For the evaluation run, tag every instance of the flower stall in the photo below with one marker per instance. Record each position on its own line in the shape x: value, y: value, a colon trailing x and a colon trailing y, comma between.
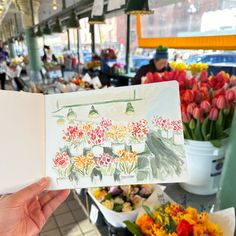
x: 207, y: 106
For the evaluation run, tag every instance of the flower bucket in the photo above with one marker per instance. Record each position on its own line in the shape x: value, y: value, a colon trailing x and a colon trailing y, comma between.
x: 178, y: 139
x: 167, y: 134
x: 97, y: 150
x: 138, y: 147
x: 76, y: 151
x: 204, y: 163
x: 117, y: 147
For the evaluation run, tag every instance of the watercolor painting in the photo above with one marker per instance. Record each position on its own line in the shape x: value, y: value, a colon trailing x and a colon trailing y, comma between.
x: 119, y: 138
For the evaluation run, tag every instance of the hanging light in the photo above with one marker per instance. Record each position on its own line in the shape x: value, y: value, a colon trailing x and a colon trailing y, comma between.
x: 54, y: 5
x: 47, y: 30
x: 138, y: 7
x: 73, y: 22
x: 129, y: 109
x: 71, y: 115
x: 57, y: 28
x: 93, y: 113
x: 39, y: 32
x: 96, y: 20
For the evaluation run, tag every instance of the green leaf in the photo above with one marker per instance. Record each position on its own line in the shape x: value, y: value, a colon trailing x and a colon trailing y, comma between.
x: 216, y: 143
x: 198, y: 132
x: 227, y: 132
x: 148, y: 211
x: 133, y: 228
x: 108, y: 197
x: 187, y: 133
x: 172, y: 225
x: 219, y: 124
x: 117, y: 207
x: 206, y: 128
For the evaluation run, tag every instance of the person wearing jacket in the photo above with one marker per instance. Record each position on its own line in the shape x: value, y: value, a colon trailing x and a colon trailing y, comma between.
x: 158, y: 64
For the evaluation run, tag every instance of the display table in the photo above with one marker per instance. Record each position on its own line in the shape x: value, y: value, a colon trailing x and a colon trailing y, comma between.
x: 229, y: 68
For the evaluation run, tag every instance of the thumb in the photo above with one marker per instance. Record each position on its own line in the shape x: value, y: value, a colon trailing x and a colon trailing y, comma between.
x: 31, y: 191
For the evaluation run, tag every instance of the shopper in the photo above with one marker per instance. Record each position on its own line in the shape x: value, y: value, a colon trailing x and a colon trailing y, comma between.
x: 48, y: 56
x: 158, y: 64
x: 26, y: 212
x: 4, y: 58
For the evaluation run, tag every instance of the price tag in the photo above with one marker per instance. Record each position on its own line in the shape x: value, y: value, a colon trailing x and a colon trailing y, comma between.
x: 93, y: 214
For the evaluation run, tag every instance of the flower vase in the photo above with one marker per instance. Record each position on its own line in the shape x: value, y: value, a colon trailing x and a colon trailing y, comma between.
x: 76, y: 151
x: 204, y: 164
x: 138, y: 147
x: 117, y: 147
x: 97, y: 150
x: 178, y: 139
x: 167, y: 134
x: 87, y: 146
x: 107, y: 144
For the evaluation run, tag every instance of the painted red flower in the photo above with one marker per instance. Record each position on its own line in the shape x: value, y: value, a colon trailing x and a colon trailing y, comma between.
x: 61, y: 160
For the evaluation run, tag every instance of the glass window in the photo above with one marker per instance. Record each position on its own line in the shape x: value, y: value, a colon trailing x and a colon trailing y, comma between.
x: 112, y: 35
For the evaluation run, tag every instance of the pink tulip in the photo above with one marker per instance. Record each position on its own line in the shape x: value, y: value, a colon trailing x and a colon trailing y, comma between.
x: 221, y: 102
x: 196, y: 113
x: 205, y: 106
x: 230, y: 95
x: 186, y: 117
x: 213, y: 114
x: 190, y: 107
x: 214, y: 100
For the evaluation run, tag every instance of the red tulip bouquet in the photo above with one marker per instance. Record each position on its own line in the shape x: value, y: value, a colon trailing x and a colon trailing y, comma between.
x: 207, y: 104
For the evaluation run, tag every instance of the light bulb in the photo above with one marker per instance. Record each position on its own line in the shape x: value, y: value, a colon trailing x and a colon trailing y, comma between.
x: 54, y: 6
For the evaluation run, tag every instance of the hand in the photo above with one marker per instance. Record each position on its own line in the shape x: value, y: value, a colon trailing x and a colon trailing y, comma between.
x: 24, y: 213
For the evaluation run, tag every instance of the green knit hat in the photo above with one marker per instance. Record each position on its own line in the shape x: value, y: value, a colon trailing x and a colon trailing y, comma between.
x: 161, y: 52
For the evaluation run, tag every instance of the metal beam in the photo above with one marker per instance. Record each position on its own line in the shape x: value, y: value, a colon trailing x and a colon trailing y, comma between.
x: 127, y: 56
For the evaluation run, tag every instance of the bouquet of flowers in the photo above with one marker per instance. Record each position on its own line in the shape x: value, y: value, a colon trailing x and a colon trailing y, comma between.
x: 207, y: 104
x: 84, y: 164
x: 138, y: 130
x: 171, y: 219
x: 160, y: 216
x: 117, y: 133
x: 74, y: 135
x: 126, y: 161
x: 108, y: 54
x: 122, y: 198
x: 117, y: 68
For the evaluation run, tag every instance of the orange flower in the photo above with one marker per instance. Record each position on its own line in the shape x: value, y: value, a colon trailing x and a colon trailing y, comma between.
x: 145, y: 223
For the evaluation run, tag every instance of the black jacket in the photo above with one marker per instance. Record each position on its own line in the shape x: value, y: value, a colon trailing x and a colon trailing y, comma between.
x: 143, y: 70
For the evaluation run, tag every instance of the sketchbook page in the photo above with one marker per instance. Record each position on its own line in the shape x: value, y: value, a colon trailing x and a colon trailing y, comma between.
x: 126, y: 135
x: 21, y: 139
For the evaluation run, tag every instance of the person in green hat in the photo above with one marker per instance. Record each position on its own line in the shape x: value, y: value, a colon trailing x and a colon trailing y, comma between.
x: 158, y: 64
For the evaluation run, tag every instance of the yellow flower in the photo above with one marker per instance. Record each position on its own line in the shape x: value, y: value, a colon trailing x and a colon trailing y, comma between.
x: 108, y: 204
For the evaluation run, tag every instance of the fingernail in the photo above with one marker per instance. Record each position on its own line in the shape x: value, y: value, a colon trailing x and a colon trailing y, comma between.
x: 42, y: 182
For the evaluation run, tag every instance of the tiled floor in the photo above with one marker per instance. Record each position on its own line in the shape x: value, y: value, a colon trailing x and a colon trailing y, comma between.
x: 69, y: 220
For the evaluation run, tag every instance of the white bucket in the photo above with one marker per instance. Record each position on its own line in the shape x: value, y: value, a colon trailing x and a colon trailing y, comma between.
x: 204, y: 163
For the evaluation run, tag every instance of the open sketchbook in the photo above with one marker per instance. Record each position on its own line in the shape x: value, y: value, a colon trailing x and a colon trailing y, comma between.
x: 112, y: 136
